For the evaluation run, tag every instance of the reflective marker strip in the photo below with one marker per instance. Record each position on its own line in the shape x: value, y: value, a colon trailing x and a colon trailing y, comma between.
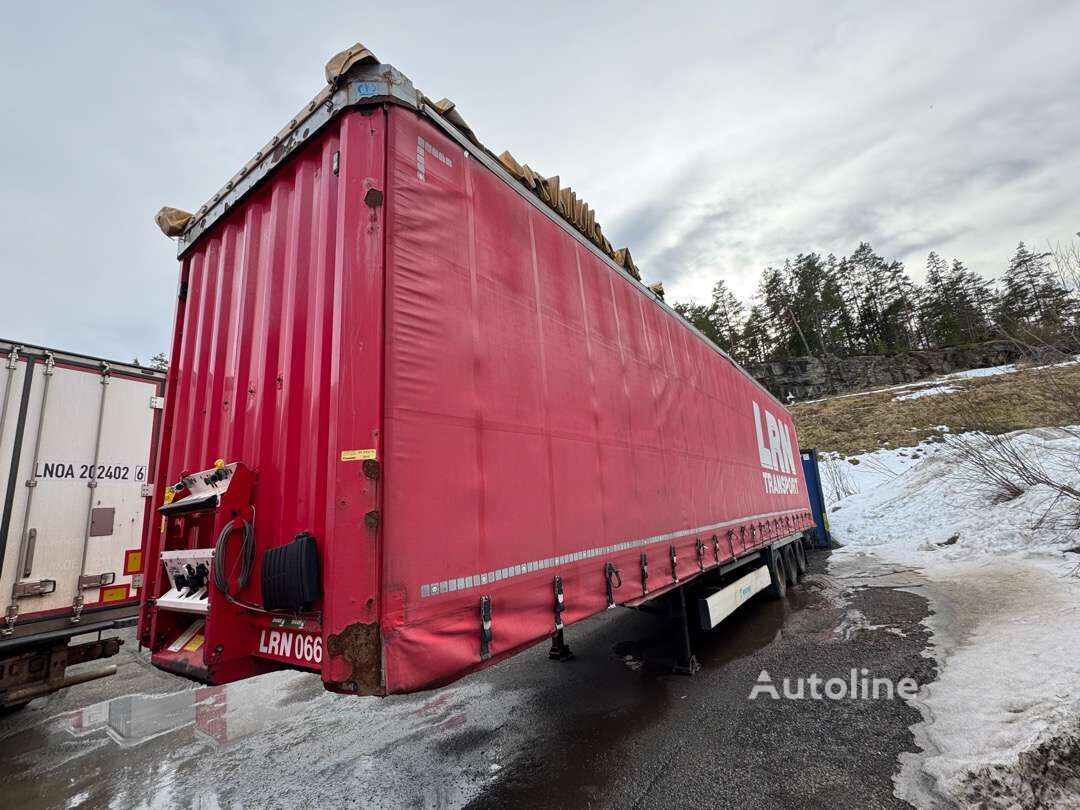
x: 476, y: 580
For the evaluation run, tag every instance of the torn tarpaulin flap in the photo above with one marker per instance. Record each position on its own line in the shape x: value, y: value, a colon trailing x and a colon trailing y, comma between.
x: 340, y: 63
x: 172, y: 221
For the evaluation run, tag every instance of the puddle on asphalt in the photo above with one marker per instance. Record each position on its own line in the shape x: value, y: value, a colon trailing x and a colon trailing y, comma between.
x: 282, y: 736
x: 752, y: 627
x: 279, y: 735
x: 581, y: 745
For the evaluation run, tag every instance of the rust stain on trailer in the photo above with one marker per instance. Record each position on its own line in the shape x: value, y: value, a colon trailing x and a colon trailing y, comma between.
x: 360, y: 645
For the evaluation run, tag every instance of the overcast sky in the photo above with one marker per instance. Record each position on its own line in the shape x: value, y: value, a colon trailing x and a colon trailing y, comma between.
x: 711, y: 138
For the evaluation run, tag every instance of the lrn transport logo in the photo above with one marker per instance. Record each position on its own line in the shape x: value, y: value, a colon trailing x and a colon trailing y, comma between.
x: 857, y: 686
x: 775, y: 454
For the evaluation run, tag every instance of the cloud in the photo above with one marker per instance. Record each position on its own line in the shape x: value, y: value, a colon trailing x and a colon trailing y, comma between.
x: 712, y: 139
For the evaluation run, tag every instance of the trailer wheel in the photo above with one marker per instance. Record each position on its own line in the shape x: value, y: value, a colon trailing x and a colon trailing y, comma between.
x: 791, y: 567
x: 800, y: 558
x: 777, y: 575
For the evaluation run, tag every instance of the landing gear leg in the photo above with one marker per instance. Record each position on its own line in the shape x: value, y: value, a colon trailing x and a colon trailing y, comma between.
x: 560, y: 650
x: 685, y: 662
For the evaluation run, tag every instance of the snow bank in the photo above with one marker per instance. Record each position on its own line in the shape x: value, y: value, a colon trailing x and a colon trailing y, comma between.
x: 908, y: 502
x: 1005, y: 617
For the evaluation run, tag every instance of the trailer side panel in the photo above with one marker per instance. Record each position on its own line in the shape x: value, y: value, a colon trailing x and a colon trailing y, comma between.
x: 545, y: 417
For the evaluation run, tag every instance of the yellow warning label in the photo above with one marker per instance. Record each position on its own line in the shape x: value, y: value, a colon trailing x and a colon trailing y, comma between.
x: 133, y: 561
x: 358, y: 455
x: 115, y: 594
x: 196, y: 642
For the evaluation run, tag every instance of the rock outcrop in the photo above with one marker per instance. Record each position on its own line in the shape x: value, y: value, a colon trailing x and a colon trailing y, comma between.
x: 810, y: 377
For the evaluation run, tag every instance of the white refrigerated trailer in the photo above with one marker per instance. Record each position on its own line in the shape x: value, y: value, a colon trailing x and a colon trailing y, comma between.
x: 77, y: 447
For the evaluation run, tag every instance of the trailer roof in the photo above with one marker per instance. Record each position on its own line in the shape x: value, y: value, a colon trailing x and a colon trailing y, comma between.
x: 77, y: 358
x: 356, y: 78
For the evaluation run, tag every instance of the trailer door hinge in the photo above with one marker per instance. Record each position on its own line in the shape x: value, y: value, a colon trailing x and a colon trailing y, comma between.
x: 157, y: 403
x: 335, y: 165
x: 674, y: 563
x: 701, y: 555
x: 485, y: 628
x: 644, y: 573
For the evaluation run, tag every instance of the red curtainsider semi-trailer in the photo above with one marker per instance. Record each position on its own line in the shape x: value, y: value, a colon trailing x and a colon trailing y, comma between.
x: 420, y: 416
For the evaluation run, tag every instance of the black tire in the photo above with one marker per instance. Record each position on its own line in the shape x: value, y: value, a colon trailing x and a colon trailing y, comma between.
x: 800, y: 558
x: 778, y: 576
x: 791, y: 568
x: 15, y: 707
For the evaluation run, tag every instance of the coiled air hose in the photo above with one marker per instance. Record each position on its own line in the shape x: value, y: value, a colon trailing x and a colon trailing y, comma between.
x: 247, y: 556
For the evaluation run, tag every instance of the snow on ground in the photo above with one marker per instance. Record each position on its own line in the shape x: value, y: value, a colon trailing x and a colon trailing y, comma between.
x: 1006, y: 615
x: 993, y: 371
x: 932, y: 391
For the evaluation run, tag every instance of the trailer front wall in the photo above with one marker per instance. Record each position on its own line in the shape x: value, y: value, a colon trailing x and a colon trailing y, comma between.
x: 544, y: 416
x: 276, y: 364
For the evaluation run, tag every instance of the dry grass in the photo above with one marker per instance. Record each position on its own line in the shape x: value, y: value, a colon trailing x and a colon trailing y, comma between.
x: 857, y: 424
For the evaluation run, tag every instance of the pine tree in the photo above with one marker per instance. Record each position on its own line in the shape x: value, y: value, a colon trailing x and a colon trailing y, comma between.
x: 720, y: 320
x: 972, y: 301
x: 756, y: 342
x: 776, y: 298
x: 728, y: 316
x: 1032, y: 297
x: 885, y: 309
x: 934, y: 303
x: 847, y: 305
x: 160, y: 362
x: 701, y: 317
x: 816, y: 304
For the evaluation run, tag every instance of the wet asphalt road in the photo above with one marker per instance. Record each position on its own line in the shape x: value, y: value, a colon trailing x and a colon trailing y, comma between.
x: 610, y: 729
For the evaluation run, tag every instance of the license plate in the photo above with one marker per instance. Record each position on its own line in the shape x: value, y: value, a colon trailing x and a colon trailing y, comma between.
x: 294, y: 648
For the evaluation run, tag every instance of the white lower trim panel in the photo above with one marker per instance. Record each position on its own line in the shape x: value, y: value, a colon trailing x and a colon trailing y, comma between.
x: 722, y: 603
